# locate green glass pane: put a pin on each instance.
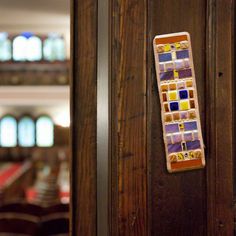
(54, 49)
(44, 132)
(59, 47)
(26, 132)
(48, 50)
(19, 48)
(8, 132)
(5, 49)
(34, 49)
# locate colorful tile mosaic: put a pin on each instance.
(180, 115)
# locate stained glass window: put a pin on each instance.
(54, 48)
(27, 47)
(26, 132)
(5, 47)
(8, 134)
(34, 49)
(44, 131)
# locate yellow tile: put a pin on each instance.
(184, 105)
(189, 83)
(180, 156)
(172, 95)
(177, 45)
(167, 47)
(191, 155)
(176, 74)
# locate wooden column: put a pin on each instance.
(83, 115)
(177, 201)
(128, 118)
(220, 68)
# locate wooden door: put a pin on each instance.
(143, 198)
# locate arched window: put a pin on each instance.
(19, 48)
(5, 47)
(27, 47)
(26, 132)
(34, 49)
(8, 134)
(54, 48)
(44, 131)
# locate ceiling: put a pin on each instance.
(34, 13)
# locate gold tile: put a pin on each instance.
(184, 105)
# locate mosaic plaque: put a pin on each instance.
(179, 104)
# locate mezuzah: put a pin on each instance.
(179, 104)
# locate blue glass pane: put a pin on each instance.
(44, 132)
(26, 132)
(8, 132)
(54, 48)
(27, 34)
(5, 47)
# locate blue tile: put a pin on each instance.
(190, 125)
(172, 148)
(193, 145)
(165, 57)
(174, 106)
(183, 94)
(182, 54)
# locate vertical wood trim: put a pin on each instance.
(210, 116)
(220, 110)
(128, 118)
(224, 123)
(83, 115)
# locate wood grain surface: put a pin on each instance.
(83, 114)
(177, 202)
(128, 118)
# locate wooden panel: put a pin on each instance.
(223, 116)
(128, 118)
(177, 201)
(83, 105)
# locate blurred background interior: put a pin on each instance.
(34, 116)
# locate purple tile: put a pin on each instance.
(172, 128)
(179, 64)
(174, 148)
(193, 145)
(188, 137)
(168, 139)
(183, 115)
(161, 67)
(177, 138)
(190, 125)
(182, 54)
(185, 73)
(167, 75)
(186, 63)
(169, 66)
(195, 136)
